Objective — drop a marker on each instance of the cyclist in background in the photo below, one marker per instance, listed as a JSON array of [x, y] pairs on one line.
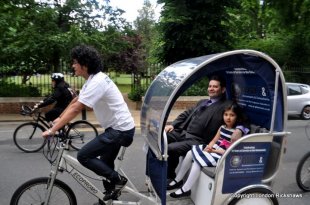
[[62, 95]]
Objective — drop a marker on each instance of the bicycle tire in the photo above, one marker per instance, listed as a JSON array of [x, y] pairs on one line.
[[303, 173], [263, 197], [28, 137], [81, 132], [34, 192]]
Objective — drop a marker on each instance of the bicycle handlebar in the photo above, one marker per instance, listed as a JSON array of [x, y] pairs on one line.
[[26, 110]]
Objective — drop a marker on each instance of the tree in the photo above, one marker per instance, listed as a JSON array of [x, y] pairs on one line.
[[254, 25], [22, 40], [249, 20], [36, 35], [294, 17], [191, 28], [145, 26], [278, 28]]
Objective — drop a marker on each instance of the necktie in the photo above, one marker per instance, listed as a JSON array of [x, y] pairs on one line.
[[209, 102], [205, 104]]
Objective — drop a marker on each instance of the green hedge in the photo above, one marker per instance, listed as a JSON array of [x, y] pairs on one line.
[[8, 89]]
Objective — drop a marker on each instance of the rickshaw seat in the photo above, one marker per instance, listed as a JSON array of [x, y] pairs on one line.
[[257, 129], [210, 171]]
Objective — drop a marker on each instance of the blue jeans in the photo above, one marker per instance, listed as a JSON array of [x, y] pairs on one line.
[[107, 146]]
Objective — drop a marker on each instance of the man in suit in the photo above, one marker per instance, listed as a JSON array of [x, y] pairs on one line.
[[197, 125]]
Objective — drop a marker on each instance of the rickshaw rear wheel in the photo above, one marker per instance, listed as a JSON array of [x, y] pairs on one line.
[[303, 173], [255, 196]]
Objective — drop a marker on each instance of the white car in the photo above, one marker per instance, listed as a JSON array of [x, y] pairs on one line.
[[298, 100]]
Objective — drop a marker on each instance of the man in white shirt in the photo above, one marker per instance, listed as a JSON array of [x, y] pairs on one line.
[[101, 94]]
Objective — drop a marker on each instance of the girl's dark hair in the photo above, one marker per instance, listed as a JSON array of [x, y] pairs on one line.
[[87, 56], [236, 109]]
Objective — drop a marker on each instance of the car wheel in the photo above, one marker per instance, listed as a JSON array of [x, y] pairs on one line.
[[305, 114]]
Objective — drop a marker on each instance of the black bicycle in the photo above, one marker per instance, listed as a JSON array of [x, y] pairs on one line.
[[303, 168], [28, 136]]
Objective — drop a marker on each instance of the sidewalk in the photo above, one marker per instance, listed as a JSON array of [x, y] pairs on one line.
[[16, 118]]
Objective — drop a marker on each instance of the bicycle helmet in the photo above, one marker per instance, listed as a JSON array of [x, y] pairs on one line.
[[57, 77]]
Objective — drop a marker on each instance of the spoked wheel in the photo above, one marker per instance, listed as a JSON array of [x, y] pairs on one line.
[[35, 191], [255, 196], [303, 173], [28, 137], [80, 133]]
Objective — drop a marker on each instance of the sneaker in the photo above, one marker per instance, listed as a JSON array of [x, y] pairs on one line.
[[111, 195], [115, 193]]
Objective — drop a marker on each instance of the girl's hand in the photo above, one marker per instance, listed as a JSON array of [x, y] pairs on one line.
[[208, 149]]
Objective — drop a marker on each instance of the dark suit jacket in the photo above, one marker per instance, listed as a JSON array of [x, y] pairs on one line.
[[201, 124]]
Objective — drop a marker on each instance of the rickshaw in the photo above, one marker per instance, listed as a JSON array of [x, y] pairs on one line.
[[246, 171]]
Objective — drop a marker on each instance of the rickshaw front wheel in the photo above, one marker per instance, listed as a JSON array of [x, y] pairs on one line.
[[255, 196], [303, 173]]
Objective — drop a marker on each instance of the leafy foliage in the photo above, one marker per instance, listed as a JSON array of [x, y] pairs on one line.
[[128, 58], [145, 27], [191, 28], [279, 28], [200, 88], [37, 36], [136, 94]]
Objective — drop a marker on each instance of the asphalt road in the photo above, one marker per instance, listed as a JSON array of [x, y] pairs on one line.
[[18, 167]]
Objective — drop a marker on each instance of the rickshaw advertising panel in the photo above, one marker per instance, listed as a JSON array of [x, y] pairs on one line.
[[252, 94], [245, 165]]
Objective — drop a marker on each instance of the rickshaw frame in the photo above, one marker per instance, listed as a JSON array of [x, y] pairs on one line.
[[152, 128], [248, 166]]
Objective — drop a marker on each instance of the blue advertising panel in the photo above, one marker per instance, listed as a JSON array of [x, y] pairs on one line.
[[252, 93], [245, 165]]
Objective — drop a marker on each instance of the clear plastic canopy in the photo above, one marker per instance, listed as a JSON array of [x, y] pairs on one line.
[[253, 79]]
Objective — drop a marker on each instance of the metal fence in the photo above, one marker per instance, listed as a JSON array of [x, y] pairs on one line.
[[39, 85], [297, 74]]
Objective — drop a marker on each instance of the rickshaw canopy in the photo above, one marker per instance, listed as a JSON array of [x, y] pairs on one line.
[[253, 80]]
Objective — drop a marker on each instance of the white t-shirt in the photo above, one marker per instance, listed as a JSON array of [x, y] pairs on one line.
[[100, 93]]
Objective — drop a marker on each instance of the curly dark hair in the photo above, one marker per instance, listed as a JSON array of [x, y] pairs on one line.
[[87, 56]]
